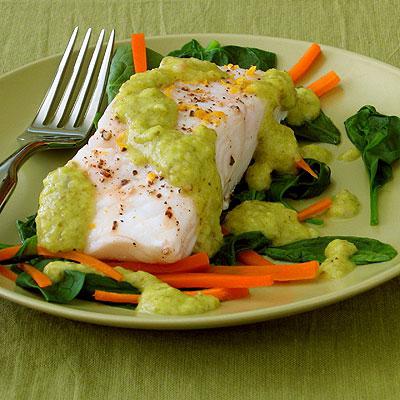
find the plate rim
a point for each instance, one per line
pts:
(204, 321)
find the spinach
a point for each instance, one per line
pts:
(300, 186)
(377, 136)
(314, 221)
(369, 250)
(321, 129)
(27, 228)
(60, 292)
(245, 57)
(122, 68)
(233, 244)
(28, 247)
(97, 282)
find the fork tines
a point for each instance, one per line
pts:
(69, 120)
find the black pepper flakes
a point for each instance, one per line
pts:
(124, 182)
(169, 213)
(134, 172)
(114, 225)
(232, 161)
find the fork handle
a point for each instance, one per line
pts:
(9, 169)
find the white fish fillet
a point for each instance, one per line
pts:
(154, 222)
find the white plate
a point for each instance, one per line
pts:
(364, 81)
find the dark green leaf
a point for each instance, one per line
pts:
(377, 137)
(321, 129)
(122, 68)
(60, 292)
(314, 221)
(369, 250)
(233, 244)
(302, 185)
(96, 282)
(26, 228)
(28, 248)
(245, 57)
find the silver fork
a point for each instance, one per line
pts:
(43, 135)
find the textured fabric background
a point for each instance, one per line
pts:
(350, 350)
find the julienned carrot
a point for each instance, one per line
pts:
(8, 273)
(9, 252)
(223, 294)
(38, 276)
(305, 62)
(198, 262)
(325, 83)
(112, 297)
(315, 209)
(83, 259)
(139, 52)
(224, 230)
(211, 280)
(303, 165)
(280, 273)
(251, 257)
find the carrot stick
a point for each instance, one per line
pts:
(251, 257)
(139, 52)
(83, 259)
(223, 294)
(9, 252)
(210, 280)
(8, 273)
(111, 297)
(315, 209)
(38, 276)
(325, 84)
(305, 62)
(224, 230)
(303, 165)
(198, 262)
(280, 273)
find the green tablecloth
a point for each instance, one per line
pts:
(346, 351)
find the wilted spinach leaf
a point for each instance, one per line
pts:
(122, 68)
(300, 186)
(60, 292)
(321, 129)
(369, 250)
(26, 228)
(245, 57)
(377, 136)
(97, 282)
(233, 244)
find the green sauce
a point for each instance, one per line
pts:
(316, 152)
(274, 220)
(350, 155)
(344, 205)
(55, 269)
(159, 298)
(338, 263)
(156, 297)
(277, 147)
(66, 208)
(187, 161)
(307, 107)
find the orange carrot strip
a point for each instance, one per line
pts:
(280, 273)
(198, 262)
(83, 259)
(9, 252)
(38, 276)
(8, 273)
(305, 62)
(223, 294)
(251, 257)
(116, 297)
(316, 208)
(139, 52)
(325, 84)
(210, 280)
(224, 230)
(303, 165)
